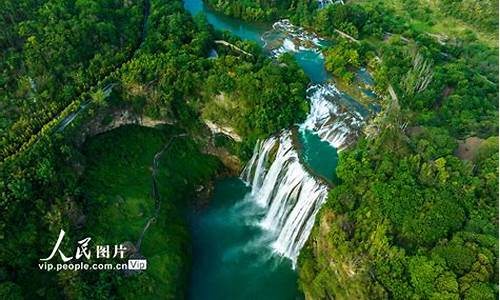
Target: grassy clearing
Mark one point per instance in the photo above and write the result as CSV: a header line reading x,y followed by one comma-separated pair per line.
x,y
119,202
436,22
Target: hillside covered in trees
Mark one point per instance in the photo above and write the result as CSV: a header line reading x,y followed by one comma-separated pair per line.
x,y
410,219
415,211
71,70
413,217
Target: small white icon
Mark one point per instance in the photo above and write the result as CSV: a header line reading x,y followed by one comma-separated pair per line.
x,y
137,264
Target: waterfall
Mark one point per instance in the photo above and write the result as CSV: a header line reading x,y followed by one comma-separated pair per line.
x,y
330,118
255,168
286,37
290,196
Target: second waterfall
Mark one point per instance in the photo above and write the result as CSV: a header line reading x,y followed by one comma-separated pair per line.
x,y
290,196
288,193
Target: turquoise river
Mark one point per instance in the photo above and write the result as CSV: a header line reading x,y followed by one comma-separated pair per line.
x,y
231,257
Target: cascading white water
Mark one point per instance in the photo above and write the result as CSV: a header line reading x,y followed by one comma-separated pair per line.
x,y
286,37
257,163
289,194
329,118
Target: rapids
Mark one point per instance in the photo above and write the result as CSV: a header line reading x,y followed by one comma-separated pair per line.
x,y
246,243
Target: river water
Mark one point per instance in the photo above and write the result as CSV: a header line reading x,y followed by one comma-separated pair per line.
x,y
230,257
235,254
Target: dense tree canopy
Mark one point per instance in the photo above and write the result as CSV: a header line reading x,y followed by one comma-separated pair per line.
x,y
53,52
409,219
89,60
419,225
264,10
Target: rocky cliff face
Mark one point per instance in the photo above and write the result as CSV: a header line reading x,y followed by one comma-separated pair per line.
x,y
226,130
109,120
232,162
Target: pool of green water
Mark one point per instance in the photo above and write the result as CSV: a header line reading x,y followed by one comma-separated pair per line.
x,y
245,31
318,154
232,259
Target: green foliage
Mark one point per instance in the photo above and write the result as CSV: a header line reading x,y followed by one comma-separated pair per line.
x,y
49,184
343,60
346,18
255,100
439,84
10,291
265,10
408,221
483,14
52,53
118,204
39,188
418,221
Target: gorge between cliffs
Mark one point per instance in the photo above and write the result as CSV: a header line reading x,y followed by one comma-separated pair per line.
x,y
255,225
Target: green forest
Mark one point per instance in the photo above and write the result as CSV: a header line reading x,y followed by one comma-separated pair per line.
x,y
52,177
413,216
410,219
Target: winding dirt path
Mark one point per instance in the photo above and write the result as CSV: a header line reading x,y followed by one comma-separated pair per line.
x,y
154,188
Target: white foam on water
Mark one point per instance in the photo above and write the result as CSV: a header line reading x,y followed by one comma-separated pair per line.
x,y
329,118
286,37
287,195
290,195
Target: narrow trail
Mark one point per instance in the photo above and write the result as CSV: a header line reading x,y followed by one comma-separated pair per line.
x,y
234,47
154,188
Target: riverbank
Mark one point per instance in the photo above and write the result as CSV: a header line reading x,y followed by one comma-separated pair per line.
x,y
265,227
